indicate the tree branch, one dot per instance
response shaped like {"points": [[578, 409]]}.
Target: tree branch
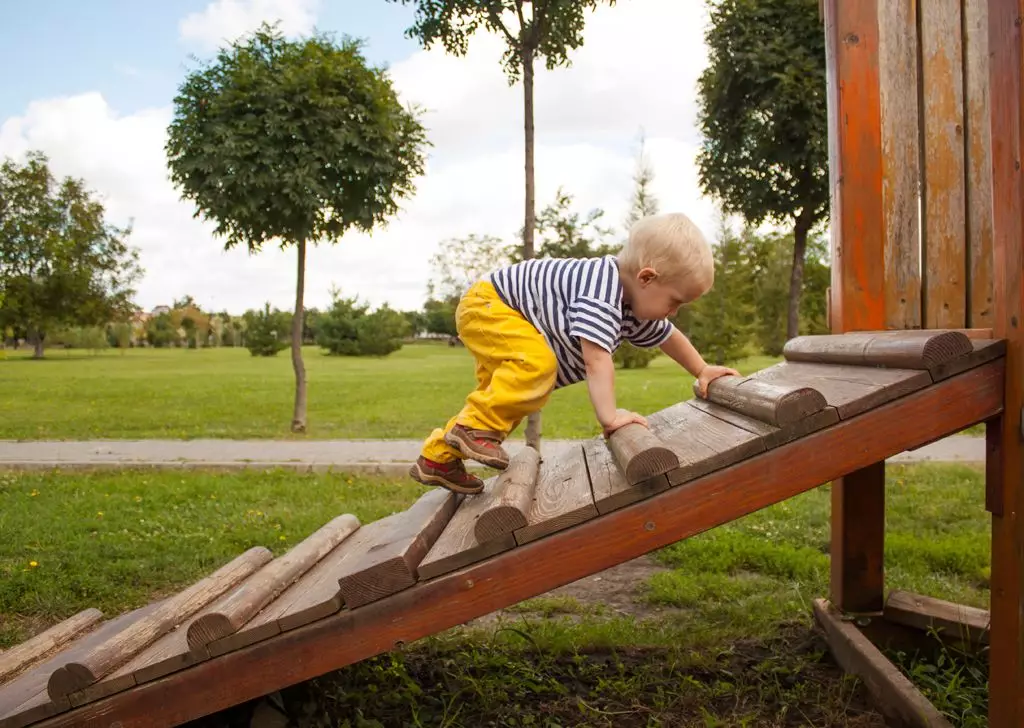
{"points": [[495, 19], [522, 18]]}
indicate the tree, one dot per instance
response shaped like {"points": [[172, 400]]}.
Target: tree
{"points": [[566, 234], [550, 30], [461, 262], [264, 332], [61, 263], [763, 115], [295, 141], [348, 328], [644, 202]]}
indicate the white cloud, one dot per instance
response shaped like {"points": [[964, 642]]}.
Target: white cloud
{"points": [[638, 68], [223, 21]]}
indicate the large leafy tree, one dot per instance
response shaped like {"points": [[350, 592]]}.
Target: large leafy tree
{"points": [[763, 115], [295, 142], [548, 30], [61, 263]]}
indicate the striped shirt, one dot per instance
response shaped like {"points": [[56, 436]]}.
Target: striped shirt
{"points": [[569, 298]]}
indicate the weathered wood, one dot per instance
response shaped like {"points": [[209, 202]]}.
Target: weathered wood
{"points": [[703, 443], [952, 621], [770, 436], [457, 546], [978, 150], [639, 453], [32, 650], [234, 609], [507, 502], [851, 390], [390, 565], [944, 202], [89, 667], [858, 543], [564, 557], [892, 692], [917, 351], [983, 351], [608, 485], [563, 497], [770, 402]]}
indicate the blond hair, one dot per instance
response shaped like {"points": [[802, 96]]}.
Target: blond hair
{"points": [[673, 246]]}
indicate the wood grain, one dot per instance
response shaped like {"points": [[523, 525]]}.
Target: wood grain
{"points": [[770, 402], [238, 606], [919, 350], [506, 503], [562, 558], [983, 351], [19, 657], [563, 497], [951, 621], [770, 436], [857, 541], [390, 564], [639, 453], [608, 485], [104, 658]]}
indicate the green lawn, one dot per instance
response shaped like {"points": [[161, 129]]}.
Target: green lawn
{"points": [[226, 393]]}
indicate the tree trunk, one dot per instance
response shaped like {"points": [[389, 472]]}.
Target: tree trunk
{"points": [[299, 418], [529, 218], [796, 279], [37, 342]]}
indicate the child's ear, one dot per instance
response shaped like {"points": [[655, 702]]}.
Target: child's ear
{"points": [[646, 276]]}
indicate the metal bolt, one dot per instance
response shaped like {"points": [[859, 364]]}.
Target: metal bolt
{"points": [[649, 525], [469, 583]]}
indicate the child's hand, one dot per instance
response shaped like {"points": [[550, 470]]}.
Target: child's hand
{"points": [[623, 418], [710, 373]]}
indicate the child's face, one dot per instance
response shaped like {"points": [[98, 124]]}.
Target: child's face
{"points": [[656, 297]]}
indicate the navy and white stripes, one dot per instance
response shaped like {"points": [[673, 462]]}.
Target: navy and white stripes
{"points": [[571, 298]]}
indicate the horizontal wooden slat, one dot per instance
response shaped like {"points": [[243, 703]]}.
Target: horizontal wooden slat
{"points": [[917, 351], [773, 403], [562, 498], [21, 656], [950, 620], [770, 436]]}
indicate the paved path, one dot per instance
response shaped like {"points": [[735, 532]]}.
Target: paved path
{"points": [[389, 456]]}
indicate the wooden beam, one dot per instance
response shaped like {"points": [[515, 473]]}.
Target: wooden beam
{"points": [[968, 625], [774, 404], [508, 500], [922, 349], [545, 564], [640, 454], [21, 656]]}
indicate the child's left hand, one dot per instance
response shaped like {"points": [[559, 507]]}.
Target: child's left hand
{"points": [[710, 373]]}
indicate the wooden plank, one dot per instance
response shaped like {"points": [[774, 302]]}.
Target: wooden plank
{"points": [[983, 351], [238, 606], [900, 155], [894, 694], [507, 502], [858, 582], [969, 333], [16, 659], [770, 436], [920, 350], [770, 402], [851, 390], [978, 151], [390, 565], [1006, 658], [89, 667], [609, 486], [950, 620], [563, 497], [562, 558], [640, 455], [944, 205], [702, 442], [457, 546]]}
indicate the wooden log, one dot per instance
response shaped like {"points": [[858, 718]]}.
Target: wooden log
{"points": [[917, 351], [104, 658], [773, 403], [390, 565], [16, 659], [770, 436], [965, 624], [237, 607], [609, 486], [639, 453], [895, 695], [507, 502], [984, 351], [562, 558], [563, 497]]}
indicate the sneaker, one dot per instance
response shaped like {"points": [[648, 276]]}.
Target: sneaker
{"points": [[452, 476], [484, 446]]}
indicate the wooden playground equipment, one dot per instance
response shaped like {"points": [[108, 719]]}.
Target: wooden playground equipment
{"points": [[926, 314]]}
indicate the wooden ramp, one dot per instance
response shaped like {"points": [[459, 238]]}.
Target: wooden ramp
{"points": [[351, 591]]}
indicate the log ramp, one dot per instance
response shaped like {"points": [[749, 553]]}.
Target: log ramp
{"points": [[350, 590]]}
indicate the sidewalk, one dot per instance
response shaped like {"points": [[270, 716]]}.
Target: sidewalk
{"points": [[378, 456]]}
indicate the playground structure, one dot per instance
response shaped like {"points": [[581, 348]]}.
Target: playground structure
{"points": [[926, 312]]}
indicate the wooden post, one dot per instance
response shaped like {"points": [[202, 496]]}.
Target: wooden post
{"points": [[1006, 659]]}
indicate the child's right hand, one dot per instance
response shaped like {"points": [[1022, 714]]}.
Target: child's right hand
{"points": [[623, 418]]}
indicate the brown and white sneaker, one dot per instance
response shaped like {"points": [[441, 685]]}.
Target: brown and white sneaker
{"points": [[452, 476], [484, 446]]}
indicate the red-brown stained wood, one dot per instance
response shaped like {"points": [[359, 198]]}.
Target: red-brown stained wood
{"points": [[506, 503], [892, 692], [918, 350], [951, 621], [19, 657], [857, 581], [609, 486], [1006, 658], [561, 558], [944, 206], [772, 403], [639, 453], [104, 658], [234, 609], [562, 498]]}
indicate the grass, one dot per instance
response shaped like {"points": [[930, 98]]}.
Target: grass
{"points": [[728, 639], [227, 393]]}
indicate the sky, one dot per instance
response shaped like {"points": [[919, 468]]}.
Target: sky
{"points": [[92, 85]]}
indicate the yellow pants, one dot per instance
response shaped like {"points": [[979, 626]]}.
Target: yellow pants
{"points": [[515, 369]]}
